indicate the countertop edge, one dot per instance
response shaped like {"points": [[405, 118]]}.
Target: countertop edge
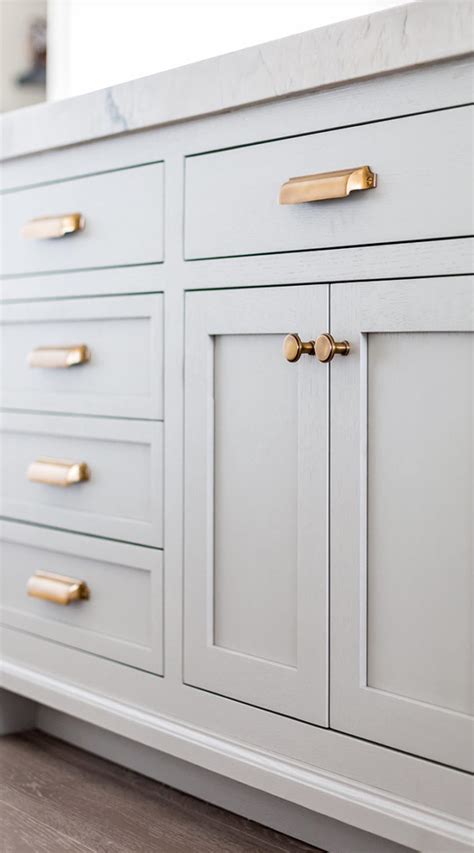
{"points": [[395, 39]]}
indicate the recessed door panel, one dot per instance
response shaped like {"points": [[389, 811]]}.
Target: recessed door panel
{"points": [[256, 500], [402, 516], [259, 542], [420, 440]]}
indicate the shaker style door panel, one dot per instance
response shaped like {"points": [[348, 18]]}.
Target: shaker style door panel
{"points": [[402, 476], [100, 356], [256, 500]]}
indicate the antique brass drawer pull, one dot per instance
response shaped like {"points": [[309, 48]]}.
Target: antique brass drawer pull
{"points": [[325, 347], [49, 227], [57, 472], [327, 185], [57, 588], [59, 356]]}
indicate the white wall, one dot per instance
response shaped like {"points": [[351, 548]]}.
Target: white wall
{"points": [[96, 43], [15, 19]]}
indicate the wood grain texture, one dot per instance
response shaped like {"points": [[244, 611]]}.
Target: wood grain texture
{"points": [[122, 619], [123, 222], [407, 204], [399, 524], [255, 461], [116, 450], [54, 797], [124, 376]]}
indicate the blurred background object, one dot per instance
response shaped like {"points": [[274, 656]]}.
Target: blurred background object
{"points": [[22, 53], [97, 43]]}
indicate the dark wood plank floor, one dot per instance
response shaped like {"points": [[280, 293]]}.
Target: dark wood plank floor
{"points": [[55, 798]]}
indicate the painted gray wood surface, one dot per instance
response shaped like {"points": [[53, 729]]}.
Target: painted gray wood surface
{"points": [[240, 799], [400, 260], [256, 500], [122, 619], [232, 196], [423, 805], [401, 516], [411, 90], [412, 800], [61, 795], [123, 499], [124, 376], [148, 278], [123, 211]]}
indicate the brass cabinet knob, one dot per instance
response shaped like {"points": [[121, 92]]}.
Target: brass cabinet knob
{"points": [[294, 347], [326, 347]]}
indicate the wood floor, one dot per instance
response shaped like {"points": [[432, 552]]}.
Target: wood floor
{"points": [[55, 798]]}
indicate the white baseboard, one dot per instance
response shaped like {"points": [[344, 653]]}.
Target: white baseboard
{"points": [[293, 820], [337, 797]]}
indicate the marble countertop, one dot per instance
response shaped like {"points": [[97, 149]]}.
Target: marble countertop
{"points": [[399, 38]]}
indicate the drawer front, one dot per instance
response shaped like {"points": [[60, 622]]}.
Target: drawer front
{"points": [[122, 499], [123, 222], [424, 168], [118, 371], [122, 618]]}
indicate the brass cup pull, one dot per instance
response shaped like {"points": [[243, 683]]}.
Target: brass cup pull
{"points": [[51, 227], [326, 347], [57, 588], [57, 472], [59, 356], [327, 185], [294, 347]]}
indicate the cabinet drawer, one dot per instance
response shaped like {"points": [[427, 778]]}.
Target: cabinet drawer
{"points": [[123, 222], [424, 169], [122, 499], [122, 618], [119, 340]]}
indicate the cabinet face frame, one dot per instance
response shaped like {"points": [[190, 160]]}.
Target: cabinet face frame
{"points": [[409, 724], [298, 690]]}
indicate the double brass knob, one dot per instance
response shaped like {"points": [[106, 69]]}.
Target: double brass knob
{"points": [[324, 348]]}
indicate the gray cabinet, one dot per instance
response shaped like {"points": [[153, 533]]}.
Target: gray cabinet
{"points": [[122, 496], [258, 505], [402, 516], [232, 195], [122, 375], [122, 222], [122, 617], [256, 556]]}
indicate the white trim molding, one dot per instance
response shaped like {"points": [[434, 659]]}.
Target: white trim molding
{"points": [[333, 795]]}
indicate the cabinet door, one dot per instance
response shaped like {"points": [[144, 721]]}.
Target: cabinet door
{"points": [[402, 515], [256, 500]]}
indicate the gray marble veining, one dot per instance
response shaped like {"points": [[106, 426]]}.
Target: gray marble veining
{"points": [[398, 38]]}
